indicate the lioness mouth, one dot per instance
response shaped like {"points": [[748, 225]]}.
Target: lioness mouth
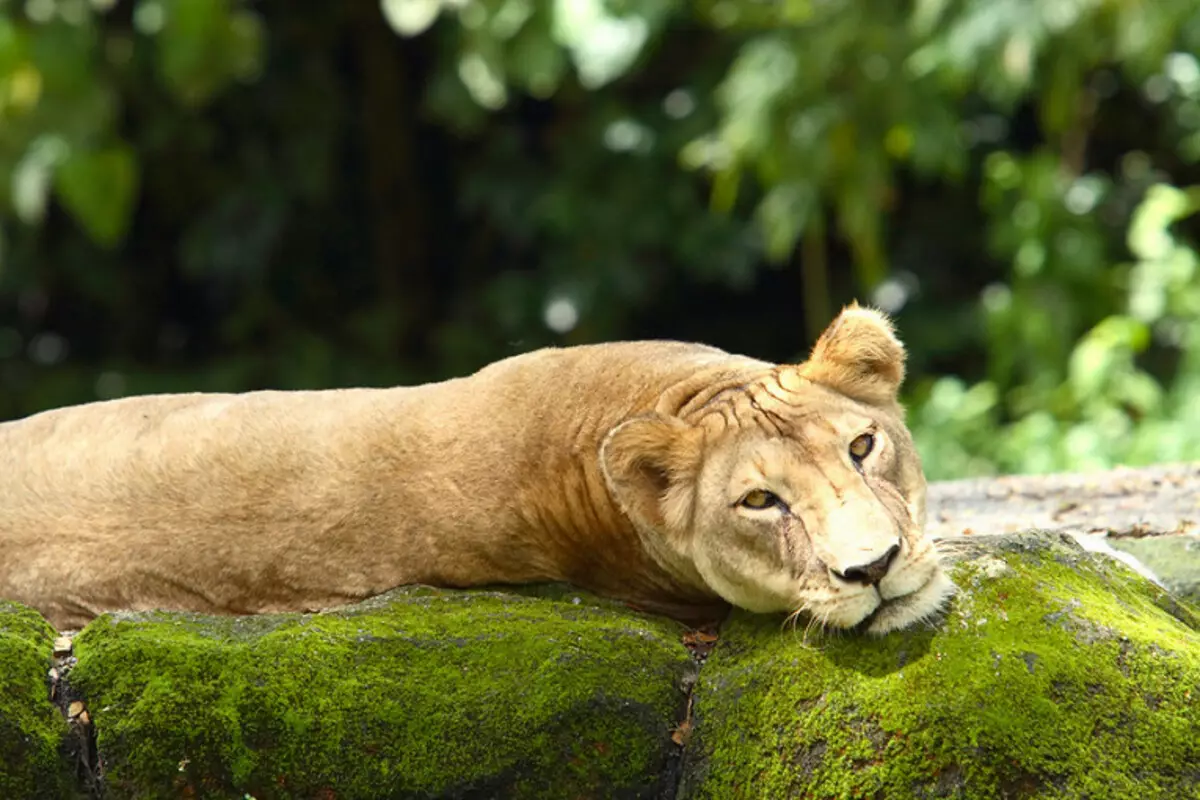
{"points": [[865, 623], [889, 605], [899, 612]]}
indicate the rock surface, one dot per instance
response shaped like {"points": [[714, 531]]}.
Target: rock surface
{"points": [[1149, 513], [1057, 673], [1174, 561], [1121, 502], [418, 693], [32, 732]]}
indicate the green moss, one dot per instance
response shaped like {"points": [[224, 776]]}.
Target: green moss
{"points": [[419, 693], [1056, 674], [31, 728]]}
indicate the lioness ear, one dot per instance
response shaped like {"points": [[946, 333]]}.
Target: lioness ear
{"points": [[650, 464], [859, 356]]}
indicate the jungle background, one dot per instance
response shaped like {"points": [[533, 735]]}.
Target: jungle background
{"points": [[219, 195]]}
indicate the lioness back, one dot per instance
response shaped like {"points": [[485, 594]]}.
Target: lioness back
{"points": [[532, 469]]}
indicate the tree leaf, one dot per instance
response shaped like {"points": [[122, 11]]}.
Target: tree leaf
{"points": [[98, 189]]}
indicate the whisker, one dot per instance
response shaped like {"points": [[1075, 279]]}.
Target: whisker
{"points": [[812, 620], [793, 619], [818, 621]]}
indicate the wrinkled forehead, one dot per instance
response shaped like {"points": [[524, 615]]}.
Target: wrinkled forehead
{"points": [[809, 442], [768, 432], [806, 413]]}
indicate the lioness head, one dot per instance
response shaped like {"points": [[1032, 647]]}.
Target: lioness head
{"points": [[800, 491]]}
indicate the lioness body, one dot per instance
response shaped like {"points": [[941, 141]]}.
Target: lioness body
{"points": [[274, 501], [271, 501]]}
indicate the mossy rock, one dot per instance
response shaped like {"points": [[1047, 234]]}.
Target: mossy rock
{"points": [[32, 731], [1056, 673], [1174, 559], [417, 693]]}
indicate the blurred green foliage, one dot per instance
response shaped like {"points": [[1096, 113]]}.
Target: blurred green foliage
{"points": [[224, 195]]}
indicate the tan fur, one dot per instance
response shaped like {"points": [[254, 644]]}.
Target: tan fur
{"points": [[617, 467]]}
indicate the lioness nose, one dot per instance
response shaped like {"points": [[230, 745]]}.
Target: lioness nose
{"points": [[870, 574]]}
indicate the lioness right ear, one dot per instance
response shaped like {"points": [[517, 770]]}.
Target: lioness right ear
{"points": [[650, 464], [859, 356]]}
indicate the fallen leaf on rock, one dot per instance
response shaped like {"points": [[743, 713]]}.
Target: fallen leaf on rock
{"points": [[682, 733], [1065, 508], [700, 642]]}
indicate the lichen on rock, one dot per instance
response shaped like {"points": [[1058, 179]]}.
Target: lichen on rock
{"points": [[1055, 673], [417, 693], [32, 730]]}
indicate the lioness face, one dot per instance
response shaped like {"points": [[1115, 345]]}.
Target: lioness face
{"points": [[799, 492], [824, 517]]}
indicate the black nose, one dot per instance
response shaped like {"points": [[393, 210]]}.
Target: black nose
{"points": [[870, 574]]}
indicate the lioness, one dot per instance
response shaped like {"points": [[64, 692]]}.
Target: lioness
{"points": [[674, 476]]}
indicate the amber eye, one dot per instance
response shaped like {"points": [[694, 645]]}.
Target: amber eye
{"points": [[862, 446], [758, 499]]}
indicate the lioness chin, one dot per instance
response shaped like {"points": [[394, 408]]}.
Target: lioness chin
{"points": [[673, 476]]}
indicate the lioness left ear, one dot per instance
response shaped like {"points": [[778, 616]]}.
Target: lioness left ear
{"points": [[859, 356], [650, 464]]}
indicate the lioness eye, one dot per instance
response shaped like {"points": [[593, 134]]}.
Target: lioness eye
{"points": [[759, 499], [862, 446]]}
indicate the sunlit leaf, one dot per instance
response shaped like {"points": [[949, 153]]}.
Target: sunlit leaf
{"points": [[1163, 205], [752, 92], [603, 46], [784, 214], [32, 177], [411, 17], [481, 74], [24, 88], [1141, 392], [510, 18], [927, 14]]}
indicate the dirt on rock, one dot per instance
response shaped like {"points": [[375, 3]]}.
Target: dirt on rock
{"points": [[1125, 502]]}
